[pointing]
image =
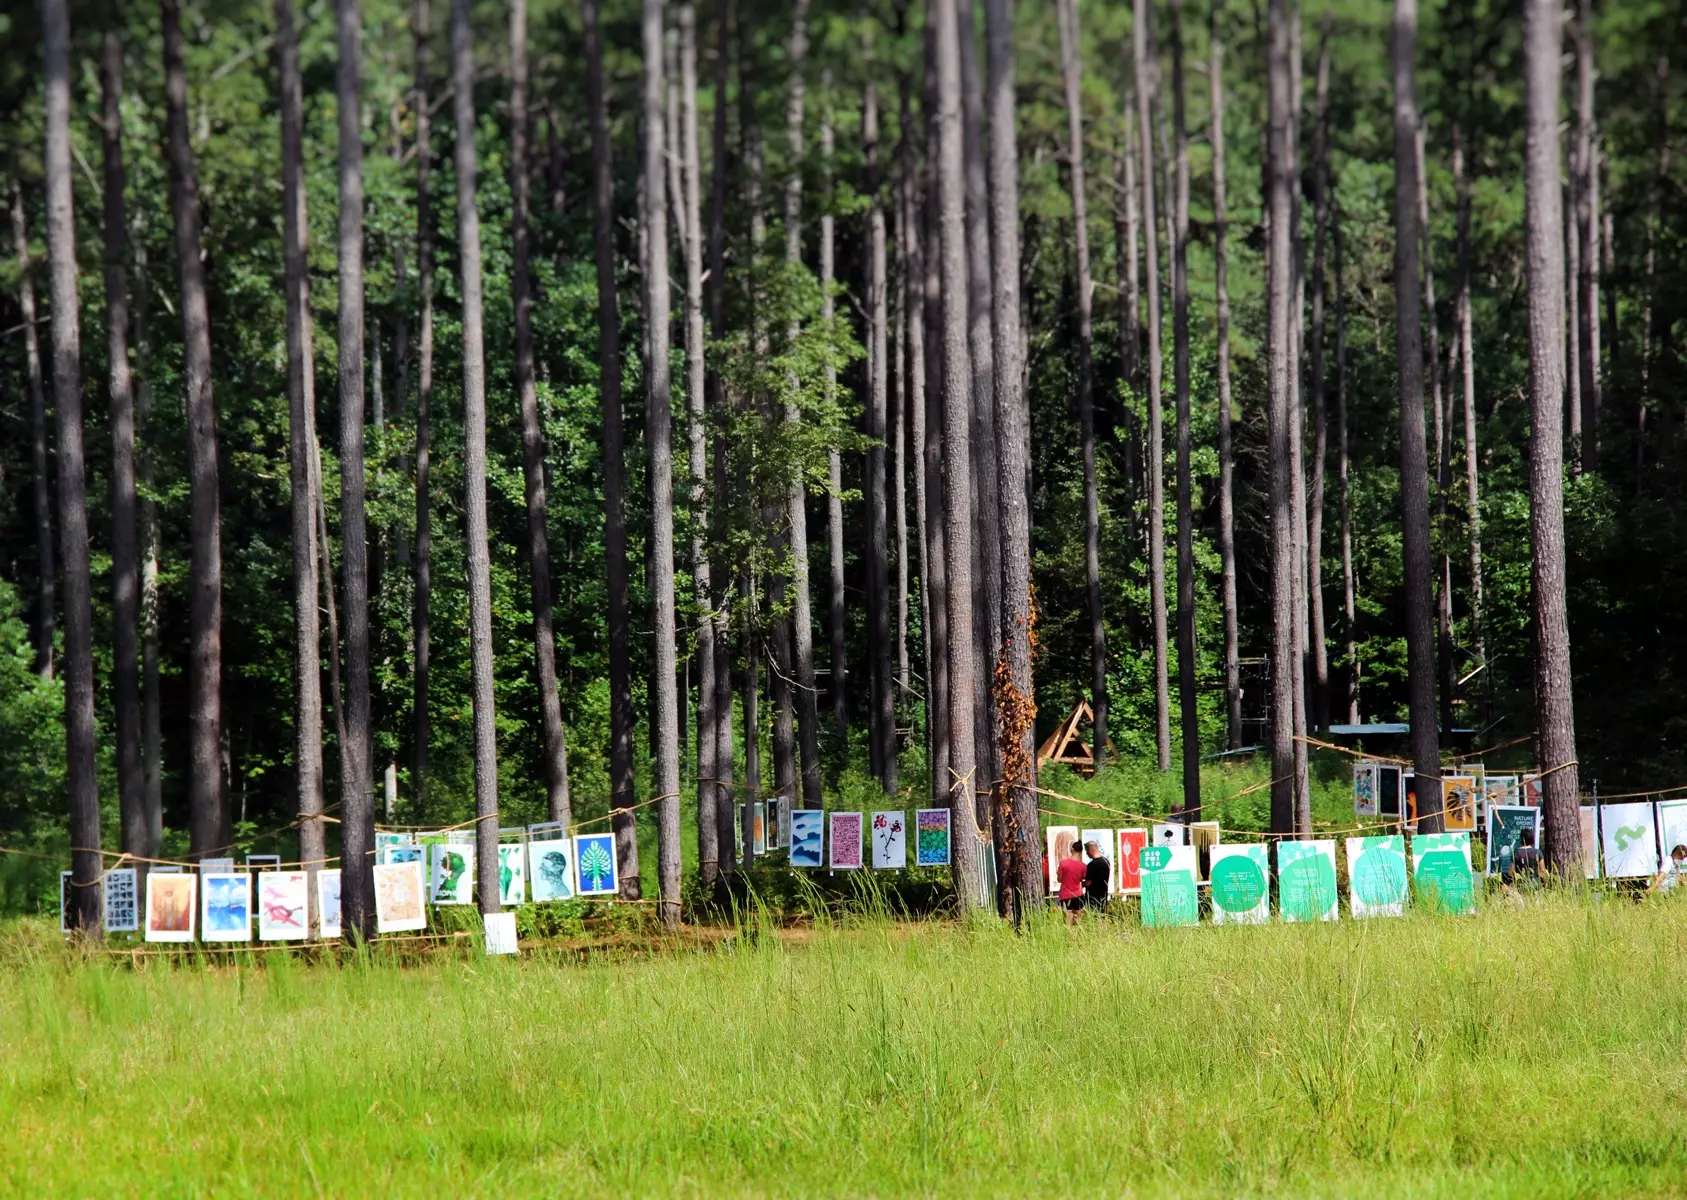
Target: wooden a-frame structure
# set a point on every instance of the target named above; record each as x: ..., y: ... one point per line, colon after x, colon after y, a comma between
x: 1064, y: 746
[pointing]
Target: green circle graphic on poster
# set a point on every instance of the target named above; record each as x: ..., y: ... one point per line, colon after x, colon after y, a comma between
x: 1447, y: 875
x: 1308, y: 887
x: 1379, y: 877
x: 1155, y: 858
x: 1238, y: 883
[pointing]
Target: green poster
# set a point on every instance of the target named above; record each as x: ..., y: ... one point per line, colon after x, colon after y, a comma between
x: 1168, y: 886
x: 1240, y: 879
x: 1376, y: 876
x: 1506, y: 823
x: 1306, y: 881
x: 1441, y: 866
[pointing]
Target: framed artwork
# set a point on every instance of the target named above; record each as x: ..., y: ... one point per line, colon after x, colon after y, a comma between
x: 283, y: 906
x: 890, y: 841
x: 1390, y: 790
x: 846, y: 841
x: 1629, y: 839
x: 550, y: 864
x: 1460, y: 794
x: 512, y: 873
x: 1058, y: 841
x: 226, y: 912
x: 399, y: 896
x: 122, y: 912
x: 808, y: 836
x: 1506, y: 823
x: 1590, y: 841
x: 596, y: 865
x: 171, y: 906
x: 452, y: 880
x: 1365, y: 789
x: 1127, y: 875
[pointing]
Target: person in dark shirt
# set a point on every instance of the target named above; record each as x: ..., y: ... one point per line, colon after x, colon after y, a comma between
x: 1525, y: 861
x: 1098, y: 874
x: 1071, y: 876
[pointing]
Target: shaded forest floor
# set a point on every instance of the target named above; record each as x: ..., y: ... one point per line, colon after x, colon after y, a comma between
x: 1538, y: 1048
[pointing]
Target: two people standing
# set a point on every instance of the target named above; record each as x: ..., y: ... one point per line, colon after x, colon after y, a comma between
x: 1083, y: 884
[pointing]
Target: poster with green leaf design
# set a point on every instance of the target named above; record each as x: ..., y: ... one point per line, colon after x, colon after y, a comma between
x: 594, y: 855
x: 1441, y: 867
x: 1168, y: 886
x: 1306, y: 881
x: 1376, y: 876
x: 1241, y: 879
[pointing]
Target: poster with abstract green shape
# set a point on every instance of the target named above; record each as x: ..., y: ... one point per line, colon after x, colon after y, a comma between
x: 1241, y: 885
x: 1629, y: 834
x: 453, y: 873
x: 1441, y: 867
x: 1168, y: 886
x: 512, y: 873
x: 1376, y: 876
x: 1306, y: 881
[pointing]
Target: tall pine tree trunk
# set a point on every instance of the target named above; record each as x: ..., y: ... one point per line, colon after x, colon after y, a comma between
x: 207, y: 819
x: 898, y: 468
x: 475, y: 529
x: 532, y: 433
x: 1441, y: 463
x: 1584, y: 165
x: 125, y: 576
x: 1019, y: 844
x: 1467, y: 378
x: 301, y: 436
x: 1319, y: 656
x: 836, y: 614
x: 938, y: 726
x: 1190, y: 717
x: 883, y: 731
x: 81, y: 778
x: 152, y: 721
x: 1281, y: 448
x: 1348, y: 602
x: 726, y: 798
x: 1414, y: 468
x: 614, y: 469
x: 41, y: 631
x: 1226, y: 452
x: 1554, y: 711
x: 658, y: 420
x: 420, y: 632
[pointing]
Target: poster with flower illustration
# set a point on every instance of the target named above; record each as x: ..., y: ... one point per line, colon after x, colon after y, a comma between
x: 890, y: 841
x: 931, y: 829
x: 846, y: 841
x: 594, y: 858
x: 283, y: 900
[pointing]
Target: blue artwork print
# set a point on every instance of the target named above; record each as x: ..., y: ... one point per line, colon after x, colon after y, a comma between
x: 807, y: 830
x: 594, y: 858
x: 228, y: 908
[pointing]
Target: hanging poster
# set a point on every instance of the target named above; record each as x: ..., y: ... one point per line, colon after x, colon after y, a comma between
x: 594, y: 858
x: 773, y: 828
x: 328, y: 903
x: 453, y: 873
x: 1672, y: 828
x: 512, y: 873
x: 122, y: 913
x: 846, y: 840
x: 1506, y: 823
x: 1590, y: 841
x: 1128, y: 877
x: 1502, y: 789
x: 403, y: 853
x: 1057, y: 845
x: 1630, y: 839
x: 1376, y: 876
x: 1441, y: 867
x: 1460, y: 794
x: 500, y: 936
x: 1306, y: 881
x: 890, y: 841
x: 1241, y: 891
x: 1389, y: 790
x: 1168, y: 886
x: 756, y: 814
x: 1531, y: 786
x: 808, y: 836
x: 283, y: 905
x: 227, y: 914
x: 171, y: 905
x: 552, y: 865
x: 931, y: 832
x: 398, y: 898
x: 1364, y: 789
x: 1171, y: 833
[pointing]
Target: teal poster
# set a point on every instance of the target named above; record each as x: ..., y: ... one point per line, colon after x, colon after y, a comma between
x: 1376, y: 876
x: 1441, y: 867
x: 1306, y: 881
x: 1168, y: 886
x: 1241, y: 885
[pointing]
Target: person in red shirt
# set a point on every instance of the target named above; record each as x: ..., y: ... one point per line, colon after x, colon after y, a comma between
x: 1071, y: 876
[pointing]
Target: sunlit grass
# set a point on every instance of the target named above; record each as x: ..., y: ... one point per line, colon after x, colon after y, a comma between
x: 1532, y: 1050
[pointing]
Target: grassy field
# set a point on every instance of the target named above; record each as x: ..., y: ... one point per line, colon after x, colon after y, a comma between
x: 1532, y: 1050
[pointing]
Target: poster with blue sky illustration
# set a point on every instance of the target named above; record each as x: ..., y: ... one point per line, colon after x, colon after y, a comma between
x: 807, y: 834
x: 1306, y: 881
x: 550, y: 864
x: 1376, y: 876
x: 594, y: 858
x: 227, y: 912
x: 328, y: 903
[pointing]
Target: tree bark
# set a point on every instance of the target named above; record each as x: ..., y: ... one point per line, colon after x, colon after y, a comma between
x: 207, y: 815
x: 47, y: 572
x: 301, y: 431
x: 1347, y: 583
x: 614, y: 469
x: 1070, y: 70
x: 474, y: 464
x: 938, y: 726
x: 81, y: 778
x: 659, y: 448
x: 837, y: 619
x: 1226, y: 452
x: 1319, y: 656
x: 1297, y: 429
x: 898, y: 469
x: 1279, y: 279
x: 1584, y: 166
x: 1146, y: 70
x: 1467, y: 377
x: 1441, y: 462
x: 1189, y: 714
x: 152, y: 732
x: 1554, y: 711
x: 726, y: 798
x: 1019, y: 844
x: 957, y: 412
x: 883, y: 732
x: 1414, y: 469
x: 420, y: 632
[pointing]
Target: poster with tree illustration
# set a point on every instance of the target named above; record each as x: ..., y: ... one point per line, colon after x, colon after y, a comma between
x: 551, y: 865
x: 931, y: 830
x: 1441, y: 869
x: 1306, y: 881
x: 890, y: 841
x: 453, y: 873
x: 594, y: 858
x: 1241, y: 882
x: 1376, y: 876
x: 846, y: 841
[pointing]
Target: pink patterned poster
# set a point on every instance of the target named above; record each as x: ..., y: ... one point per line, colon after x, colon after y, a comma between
x: 846, y: 840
